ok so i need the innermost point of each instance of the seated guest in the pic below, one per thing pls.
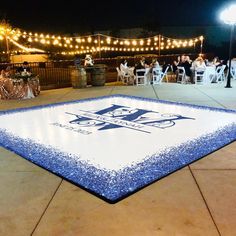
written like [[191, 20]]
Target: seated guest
[[186, 63], [164, 66], [216, 62], [142, 64], [154, 63], [124, 66], [174, 66], [199, 64], [24, 68], [3, 74]]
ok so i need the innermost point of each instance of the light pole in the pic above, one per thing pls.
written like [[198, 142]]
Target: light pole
[[228, 16], [201, 39]]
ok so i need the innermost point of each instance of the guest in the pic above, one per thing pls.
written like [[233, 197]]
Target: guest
[[174, 66], [88, 61], [187, 63], [24, 68], [164, 66], [3, 74], [77, 61], [154, 63], [142, 64], [6, 73], [124, 66], [199, 64], [124, 63], [216, 62]]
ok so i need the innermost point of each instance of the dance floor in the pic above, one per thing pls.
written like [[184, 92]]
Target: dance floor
[[115, 145]]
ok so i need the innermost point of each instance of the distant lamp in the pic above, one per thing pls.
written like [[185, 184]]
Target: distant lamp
[[228, 16]]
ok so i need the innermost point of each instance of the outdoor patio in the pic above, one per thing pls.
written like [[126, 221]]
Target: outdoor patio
[[196, 200]]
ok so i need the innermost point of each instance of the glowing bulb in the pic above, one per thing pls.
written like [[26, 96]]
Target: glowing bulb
[[134, 42], [43, 41], [127, 42]]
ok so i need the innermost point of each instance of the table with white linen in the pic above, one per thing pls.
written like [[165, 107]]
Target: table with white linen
[[209, 74]]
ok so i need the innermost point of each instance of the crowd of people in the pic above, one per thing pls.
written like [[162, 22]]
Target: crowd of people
[[191, 66], [184, 61]]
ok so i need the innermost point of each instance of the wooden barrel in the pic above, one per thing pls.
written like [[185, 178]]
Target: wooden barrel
[[78, 77], [98, 75]]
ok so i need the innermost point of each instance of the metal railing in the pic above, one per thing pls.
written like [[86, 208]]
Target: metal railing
[[57, 74]]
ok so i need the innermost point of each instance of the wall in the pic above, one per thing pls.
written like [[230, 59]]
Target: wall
[[29, 58]]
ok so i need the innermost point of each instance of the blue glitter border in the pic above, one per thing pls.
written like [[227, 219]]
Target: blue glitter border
[[118, 96], [110, 185]]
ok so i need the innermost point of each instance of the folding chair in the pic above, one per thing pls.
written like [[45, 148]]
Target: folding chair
[[140, 77], [181, 77], [164, 74], [220, 74], [199, 75], [120, 76], [156, 75]]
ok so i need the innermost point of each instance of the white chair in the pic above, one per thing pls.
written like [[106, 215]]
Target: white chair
[[158, 75], [140, 77], [199, 75], [181, 77], [220, 74], [232, 69], [127, 77], [164, 74], [233, 72], [120, 76]]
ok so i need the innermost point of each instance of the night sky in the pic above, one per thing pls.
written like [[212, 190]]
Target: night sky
[[82, 16]]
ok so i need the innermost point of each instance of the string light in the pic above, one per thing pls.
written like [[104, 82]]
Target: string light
[[91, 43]]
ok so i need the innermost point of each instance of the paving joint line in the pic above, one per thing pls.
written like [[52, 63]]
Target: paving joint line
[[111, 90], [155, 92], [211, 98], [47, 206], [208, 209]]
